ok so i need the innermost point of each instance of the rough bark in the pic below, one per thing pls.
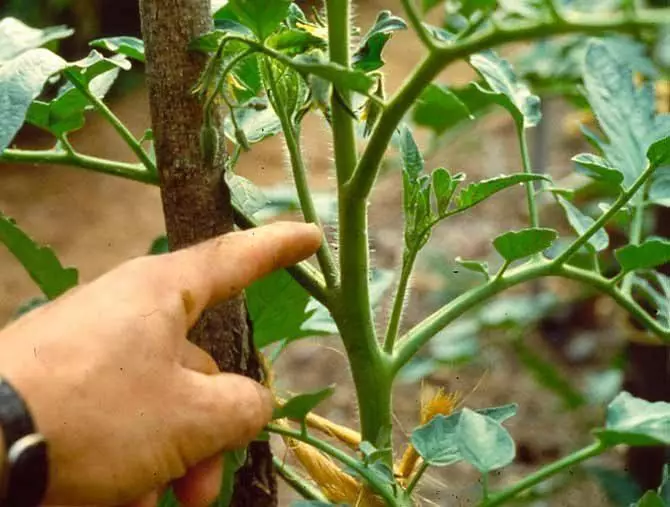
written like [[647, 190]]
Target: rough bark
[[196, 204]]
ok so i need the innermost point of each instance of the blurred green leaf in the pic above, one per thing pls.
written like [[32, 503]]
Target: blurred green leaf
[[483, 442], [368, 56], [293, 41], [580, 223], [597, 168], [516, 245], [299, 406], [619, 487], [232, 462], [314, 63], [247, 196], [633, 421], [440, 108], [261, 16], [481, 267], [16, 37], [651, 499], [648, 255], [256, 119], [477, 192], [40, 262], [131, 47]]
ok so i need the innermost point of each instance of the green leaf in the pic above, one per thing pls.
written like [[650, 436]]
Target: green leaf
[[515, 245], [481, 267], [244, 193], [444, 186], [648, 255], [293, 41], [658, 153], [16, 37], [507, 89], [232, 462], [626, 114], [256, 119], [475, 193], [368, 56], [633, 421], [168, 499], [261, 16], [439, 108], [21, 81], [483, 442], [651, 499], [159, 246], [437, 441], [598, 168], [580, 223], [619, 487], [209, 42], [299, 406], [131, 47], [313, 63], [412, 160], [40, 262], [659, 190], [278, 307], [427, 5]]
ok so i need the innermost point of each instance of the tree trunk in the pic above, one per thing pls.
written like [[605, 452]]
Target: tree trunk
[[196, 203]]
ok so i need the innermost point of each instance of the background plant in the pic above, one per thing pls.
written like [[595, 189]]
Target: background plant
[[269, 66]]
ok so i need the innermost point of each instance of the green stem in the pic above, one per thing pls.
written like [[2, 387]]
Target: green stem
[[306, 275], [544, 473], [414, 481], [377, 484], [399, 301], [424, 331], [351, 308], [415, 20], [324, 254], [297, 482], [530, 185], [117, 124], [445, 55], [623, 198], [635, 238]]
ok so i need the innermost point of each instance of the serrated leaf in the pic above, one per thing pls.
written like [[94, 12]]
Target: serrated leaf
[[412, 159], [299, 406], [477, 192], [131, 47], [509, 91], [648, 255], [481, 267], [261, 16], [444, 186], [21, 81], [16, 37], [598, 168], [626, 114], [516, 245], [483, 442], [159, 246], [580, 223], [368, 56], [633, 421], [40, 262]]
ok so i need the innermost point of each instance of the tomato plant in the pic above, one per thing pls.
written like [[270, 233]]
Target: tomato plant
[[268, 65]]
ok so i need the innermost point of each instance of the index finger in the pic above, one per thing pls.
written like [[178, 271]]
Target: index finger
[[222, 267]]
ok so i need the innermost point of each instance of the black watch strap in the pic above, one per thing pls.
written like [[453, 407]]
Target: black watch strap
[[25, 477]]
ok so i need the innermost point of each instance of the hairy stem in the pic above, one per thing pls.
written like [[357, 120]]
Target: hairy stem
[[544, 473], [530, 185], [378, 485], [414, 481], [399, 302], [444, 55], [301, 485], [118, 125], [324, 254]]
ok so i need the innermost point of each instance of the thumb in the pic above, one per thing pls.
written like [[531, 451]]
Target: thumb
[[221, 412]]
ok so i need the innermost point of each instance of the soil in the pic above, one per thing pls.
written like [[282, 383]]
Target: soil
[[95, 222]]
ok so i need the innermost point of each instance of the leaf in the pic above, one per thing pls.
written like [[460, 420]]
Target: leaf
[[278, 307], [261, 16], [477, 192], [40, 262], [16, 37], [619, 487], [368, 56], [633, 421], [483, 442], [131, 47], [439, 108], [342, 78], [299, 406], [626, 114], [232, 462], [651, 499], [444, 186], [598, 168], [244, 193], [256, 119], [159, 246], [507, 89], [168, 499], [412, 160], [21, 81], [293, 41], [515, 245], [436, 441], [648, 255], [658, 153], [580, 223], [481, 267], [427, 5], [659, 190]]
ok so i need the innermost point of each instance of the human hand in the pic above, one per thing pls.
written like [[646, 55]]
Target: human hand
[[125, 402]]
